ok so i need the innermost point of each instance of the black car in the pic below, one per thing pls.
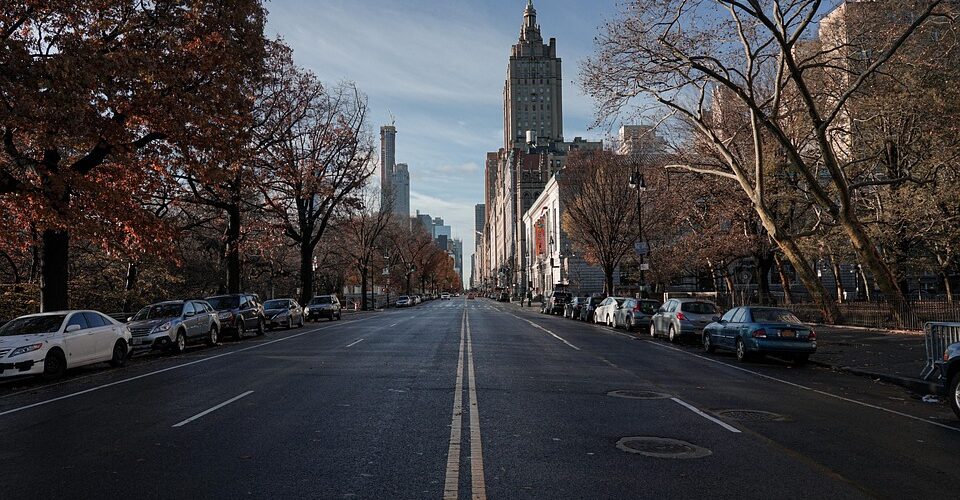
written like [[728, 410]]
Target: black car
[[323, 306], [554, 302], [504, 297], [950, 375], [590, 306], [239, 313]]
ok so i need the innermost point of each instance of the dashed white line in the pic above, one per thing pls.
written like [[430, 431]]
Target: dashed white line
[[171, 368], [561, 339], [704, 415], [355, 343], [211, 410]]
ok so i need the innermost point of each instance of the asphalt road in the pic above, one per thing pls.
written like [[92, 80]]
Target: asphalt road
[[462, 399]]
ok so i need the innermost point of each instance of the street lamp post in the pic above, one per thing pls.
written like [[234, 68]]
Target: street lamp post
[[637, 182]]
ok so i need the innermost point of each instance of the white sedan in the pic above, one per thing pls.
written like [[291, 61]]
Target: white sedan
[[605, 311], [49, 343]]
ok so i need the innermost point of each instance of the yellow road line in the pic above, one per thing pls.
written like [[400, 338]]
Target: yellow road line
[[477, 482]]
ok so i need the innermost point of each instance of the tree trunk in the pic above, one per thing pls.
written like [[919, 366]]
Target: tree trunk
[[306, 273], [728, 282], [764, 264], [837, 278], [608, 280], [232, 254], [784, 279], [130, 285], [54, 270], [884, 278], [867, 292], [363, 288], [947, 287]]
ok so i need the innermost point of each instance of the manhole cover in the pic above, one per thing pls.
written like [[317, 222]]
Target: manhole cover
[[752, 416], [658, 447], [635, 394]]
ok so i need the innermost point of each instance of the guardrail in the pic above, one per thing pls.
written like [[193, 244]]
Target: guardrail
[[938, 335]]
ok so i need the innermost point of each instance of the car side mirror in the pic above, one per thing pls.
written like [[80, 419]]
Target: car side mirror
[[662, 309], [72, 328], [717, 319]]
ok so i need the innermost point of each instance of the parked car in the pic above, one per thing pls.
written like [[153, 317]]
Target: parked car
[[324, 306], [283, 312], [238, 313], [590, 307], [471, 296], [572, 309], [950, 375], [555, 302], [635, 314], [417, 299], [404, 301], [444, 296], [174, 324], [48, 344], [750, 331], [503, 297], [605, 311], [683, 318]]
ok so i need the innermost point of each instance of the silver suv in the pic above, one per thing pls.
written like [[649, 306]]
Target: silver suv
[[323, 306], [683, 318], [174, 324]]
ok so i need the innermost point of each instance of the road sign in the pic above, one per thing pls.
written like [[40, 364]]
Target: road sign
[[641, 248], [644, 267]]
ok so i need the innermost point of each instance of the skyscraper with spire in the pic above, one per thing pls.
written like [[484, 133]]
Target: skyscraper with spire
[[394, 177], [532, 93]]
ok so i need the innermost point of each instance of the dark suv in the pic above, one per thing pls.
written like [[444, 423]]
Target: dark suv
[[950, 375], [554, 302], [239, 313], [323, 306], [589, 307]]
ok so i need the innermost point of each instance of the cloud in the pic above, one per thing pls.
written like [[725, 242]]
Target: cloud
[[465, 168]]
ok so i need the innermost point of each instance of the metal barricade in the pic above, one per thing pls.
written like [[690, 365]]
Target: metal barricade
[[937, 337]]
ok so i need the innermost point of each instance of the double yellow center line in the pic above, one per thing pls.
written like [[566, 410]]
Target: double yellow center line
[[451, 485]]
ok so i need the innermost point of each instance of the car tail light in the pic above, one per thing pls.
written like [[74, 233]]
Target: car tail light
[[681, 317], [760, 334], [636, 308], [812, 336]]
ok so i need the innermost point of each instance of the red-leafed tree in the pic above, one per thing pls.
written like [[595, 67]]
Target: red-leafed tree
[[92, 97]]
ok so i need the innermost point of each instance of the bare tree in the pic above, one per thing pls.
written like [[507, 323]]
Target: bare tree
[[601, 217], [797, 94], [364, 229]]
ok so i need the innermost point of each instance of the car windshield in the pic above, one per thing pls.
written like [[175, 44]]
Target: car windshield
[[320, 300], [596, 300], [225, 302], [773, 316], [404, 297], [649, 307], [276, 304], [698, 308], [32, 325], [159, 311]]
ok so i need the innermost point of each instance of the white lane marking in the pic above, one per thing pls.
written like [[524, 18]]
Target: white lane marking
[[211, 410], [477, 482], [704, 415], [799, 386], [561, 339], [355, 343], [164, 370], [393, 325], [451, 483]]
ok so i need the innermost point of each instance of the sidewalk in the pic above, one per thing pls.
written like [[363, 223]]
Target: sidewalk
[[892, 356]]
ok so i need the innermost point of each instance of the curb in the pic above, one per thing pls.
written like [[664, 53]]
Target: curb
[[881, 331], [913, 384]]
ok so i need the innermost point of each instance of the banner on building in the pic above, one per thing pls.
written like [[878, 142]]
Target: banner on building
[[540, 236]]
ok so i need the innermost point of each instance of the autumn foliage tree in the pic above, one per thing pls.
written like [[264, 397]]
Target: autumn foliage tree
[[92, 97]]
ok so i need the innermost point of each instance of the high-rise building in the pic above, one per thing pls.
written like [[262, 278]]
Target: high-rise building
[[394, 177], [532, 97], [479, 212]]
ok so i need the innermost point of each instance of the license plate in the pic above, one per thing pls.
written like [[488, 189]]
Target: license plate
[[788, 334]]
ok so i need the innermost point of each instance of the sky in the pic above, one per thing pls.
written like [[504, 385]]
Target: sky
[[437, 67]]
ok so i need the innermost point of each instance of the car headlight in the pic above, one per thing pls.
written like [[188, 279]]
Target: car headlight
[[306, 310], [25, 349], [162, 328]]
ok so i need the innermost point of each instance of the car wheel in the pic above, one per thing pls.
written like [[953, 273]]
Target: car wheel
[[54, 365], [261, 328], [300, 324], [119, 354], [707, 344], [653, 330], [954, 393], [339, 315], [180, 343], [629, 325], [241, 330], [801, 359], [742, 355], [213, 336], [672, 335]]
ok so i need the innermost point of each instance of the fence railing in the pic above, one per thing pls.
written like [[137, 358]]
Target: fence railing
[[937, 336]]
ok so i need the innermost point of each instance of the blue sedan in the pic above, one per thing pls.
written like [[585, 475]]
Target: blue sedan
[[750, 331]]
